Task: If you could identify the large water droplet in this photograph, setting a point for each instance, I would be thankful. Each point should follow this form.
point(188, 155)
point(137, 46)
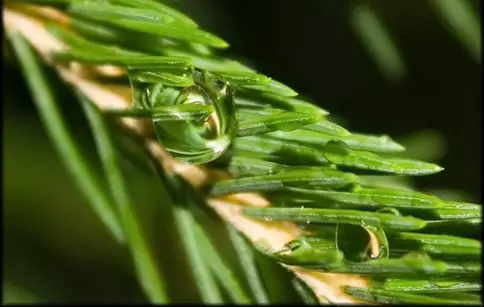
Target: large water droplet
point(201, 139)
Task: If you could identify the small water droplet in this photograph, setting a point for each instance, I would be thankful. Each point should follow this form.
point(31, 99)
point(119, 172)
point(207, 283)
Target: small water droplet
point(389, 210)
point(443, 283)
point(378, 244)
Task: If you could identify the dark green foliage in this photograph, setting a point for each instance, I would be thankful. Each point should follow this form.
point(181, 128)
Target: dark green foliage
point(314, 171)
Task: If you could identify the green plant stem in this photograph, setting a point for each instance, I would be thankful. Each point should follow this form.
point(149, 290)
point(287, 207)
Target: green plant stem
point(380, 45)
point(306, 295)
point(459, 17)
point(184, 221)
point(61, 138)
point(249, 267)
point(147, 270)
point(378, 296)
point(220, 269)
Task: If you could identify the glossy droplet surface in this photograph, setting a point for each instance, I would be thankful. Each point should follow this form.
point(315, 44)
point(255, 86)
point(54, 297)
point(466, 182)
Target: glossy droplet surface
point(203, 138)
point(378, 246)
point(362, 243)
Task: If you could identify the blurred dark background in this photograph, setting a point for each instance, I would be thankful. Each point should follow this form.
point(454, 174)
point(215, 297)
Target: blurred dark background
point(56, 249)
point(312, 46)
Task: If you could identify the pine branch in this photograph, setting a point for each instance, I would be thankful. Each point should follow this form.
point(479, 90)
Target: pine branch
point(274, 235)
point(274, 134)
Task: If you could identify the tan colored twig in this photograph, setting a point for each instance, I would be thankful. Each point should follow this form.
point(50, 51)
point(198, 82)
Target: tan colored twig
point(29, 21)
